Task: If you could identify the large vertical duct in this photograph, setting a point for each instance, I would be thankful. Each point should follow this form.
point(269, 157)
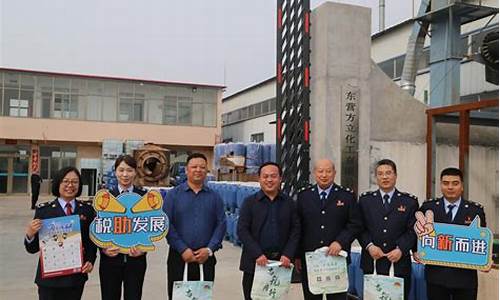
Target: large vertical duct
point(414, 50)
point(381, 15)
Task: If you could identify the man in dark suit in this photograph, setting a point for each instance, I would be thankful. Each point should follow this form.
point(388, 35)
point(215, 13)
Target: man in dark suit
point(388, 216)
point(268, 226)
point(66, 187)
point(329, 217)
point(35, 180)
point(445, 283)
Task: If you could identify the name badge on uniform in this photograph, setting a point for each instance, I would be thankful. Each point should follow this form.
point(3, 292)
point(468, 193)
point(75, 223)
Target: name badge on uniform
point(340, 203)
point(402, 208)
point(468, 220)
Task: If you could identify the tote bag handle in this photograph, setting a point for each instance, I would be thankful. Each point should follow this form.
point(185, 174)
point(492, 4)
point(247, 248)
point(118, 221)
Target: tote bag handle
point(185, 275)
point(391, 269)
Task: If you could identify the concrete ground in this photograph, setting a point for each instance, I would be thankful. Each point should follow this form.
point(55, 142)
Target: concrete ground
point(18, 267)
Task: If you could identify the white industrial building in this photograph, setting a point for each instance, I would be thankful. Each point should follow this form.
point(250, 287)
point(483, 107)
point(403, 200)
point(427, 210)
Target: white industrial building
point(249, 115)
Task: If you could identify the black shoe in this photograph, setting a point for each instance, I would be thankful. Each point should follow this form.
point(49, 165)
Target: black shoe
point(32, 207)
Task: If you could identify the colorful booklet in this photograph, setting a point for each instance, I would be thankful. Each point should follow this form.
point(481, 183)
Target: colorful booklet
point(61, 251)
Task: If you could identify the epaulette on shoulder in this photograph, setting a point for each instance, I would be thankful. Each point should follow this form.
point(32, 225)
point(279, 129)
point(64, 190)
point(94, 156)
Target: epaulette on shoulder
point(431, 200)
point(410, 195)
point(85, 202)
point(306, 188)
point(366, 193)
point(479, 205)
point(346, 189)
point(42, 205)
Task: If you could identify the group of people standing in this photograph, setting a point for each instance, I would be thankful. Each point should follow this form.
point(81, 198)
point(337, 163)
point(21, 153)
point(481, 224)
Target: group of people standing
point(271, 227)
point(326, 214)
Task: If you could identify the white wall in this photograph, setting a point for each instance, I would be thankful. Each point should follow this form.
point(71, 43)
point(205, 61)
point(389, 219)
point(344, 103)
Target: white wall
point(255, 95)
point(241, 132)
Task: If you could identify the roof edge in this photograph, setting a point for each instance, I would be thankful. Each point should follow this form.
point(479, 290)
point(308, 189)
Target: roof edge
point(131, 79)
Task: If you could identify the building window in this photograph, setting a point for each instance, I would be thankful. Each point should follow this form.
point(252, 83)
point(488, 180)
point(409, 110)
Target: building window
point(185, 110)
point(257, 137)
point(65, 106)
point(132, 109)
point(18, 108)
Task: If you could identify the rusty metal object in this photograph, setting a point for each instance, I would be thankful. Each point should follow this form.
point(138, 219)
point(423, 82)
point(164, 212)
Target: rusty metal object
point(153, 163)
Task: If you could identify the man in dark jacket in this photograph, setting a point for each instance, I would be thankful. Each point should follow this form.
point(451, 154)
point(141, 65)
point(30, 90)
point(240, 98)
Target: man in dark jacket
point(268, 226)
point(388, 216)
point(445, 283)
point(36, 180)
point(329, 217)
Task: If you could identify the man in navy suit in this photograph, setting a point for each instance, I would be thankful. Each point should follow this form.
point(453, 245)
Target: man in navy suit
point(329, 217)
point(388, 216)
point(445, 283)
point(268, 226)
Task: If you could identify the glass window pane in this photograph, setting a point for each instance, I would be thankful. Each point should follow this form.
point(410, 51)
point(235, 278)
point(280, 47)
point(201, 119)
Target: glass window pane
point(111, 89)
point(185, 112)
point(94, 108)
point(46, 100)
point(272, 105)
point(109, 109)
point(198, 114)
point(138, 110)
point(210, 116)
point(61, 84)
point(73, 107)
point(170, 110)
point(27, 82)
point(125, 109)
point(155, 114)
point(11, 80)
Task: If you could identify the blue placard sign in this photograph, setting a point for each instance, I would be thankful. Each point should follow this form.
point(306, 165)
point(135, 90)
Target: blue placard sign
point(451, 245)
point(129, 220)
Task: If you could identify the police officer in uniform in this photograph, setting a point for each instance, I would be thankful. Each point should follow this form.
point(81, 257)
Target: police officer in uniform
point(329, 216)
point(117, 270)
point(67, 185)
point(388, 216)
point(445, 283)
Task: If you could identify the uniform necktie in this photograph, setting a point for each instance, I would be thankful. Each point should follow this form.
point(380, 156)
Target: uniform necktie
point(69, 210)
point(386, 202)
point(323, 198)
point(449, 214)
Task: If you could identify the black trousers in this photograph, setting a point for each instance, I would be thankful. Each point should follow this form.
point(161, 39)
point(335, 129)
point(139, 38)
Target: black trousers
point(35, 191)
point(53, 293)
point(175, 270)
point(247, 283)
point(130, 273)
point(439, 292)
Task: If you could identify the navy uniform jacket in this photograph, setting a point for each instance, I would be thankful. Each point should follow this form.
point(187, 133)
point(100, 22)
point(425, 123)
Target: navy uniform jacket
point(388, 230)
point(453, 277)
point(53, 209)
point(253, 215)
point(340, 219)
point(120, 259)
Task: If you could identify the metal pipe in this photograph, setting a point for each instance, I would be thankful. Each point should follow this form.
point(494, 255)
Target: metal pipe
point(381, 15)
point(414, 50)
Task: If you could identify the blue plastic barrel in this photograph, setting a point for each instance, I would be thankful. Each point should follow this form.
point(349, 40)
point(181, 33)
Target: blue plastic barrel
point(236, 149)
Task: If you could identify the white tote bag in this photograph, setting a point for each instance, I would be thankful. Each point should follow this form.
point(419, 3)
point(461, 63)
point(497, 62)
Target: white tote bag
point(326, 274)
point(192, 290)
point(271, 281)
point(376, 287)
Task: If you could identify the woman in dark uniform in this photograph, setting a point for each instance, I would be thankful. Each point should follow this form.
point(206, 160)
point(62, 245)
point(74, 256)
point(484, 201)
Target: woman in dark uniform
point(66, 187)
point(118, 269)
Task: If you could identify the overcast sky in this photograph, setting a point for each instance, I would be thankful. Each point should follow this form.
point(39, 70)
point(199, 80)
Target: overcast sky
point(222, 42)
